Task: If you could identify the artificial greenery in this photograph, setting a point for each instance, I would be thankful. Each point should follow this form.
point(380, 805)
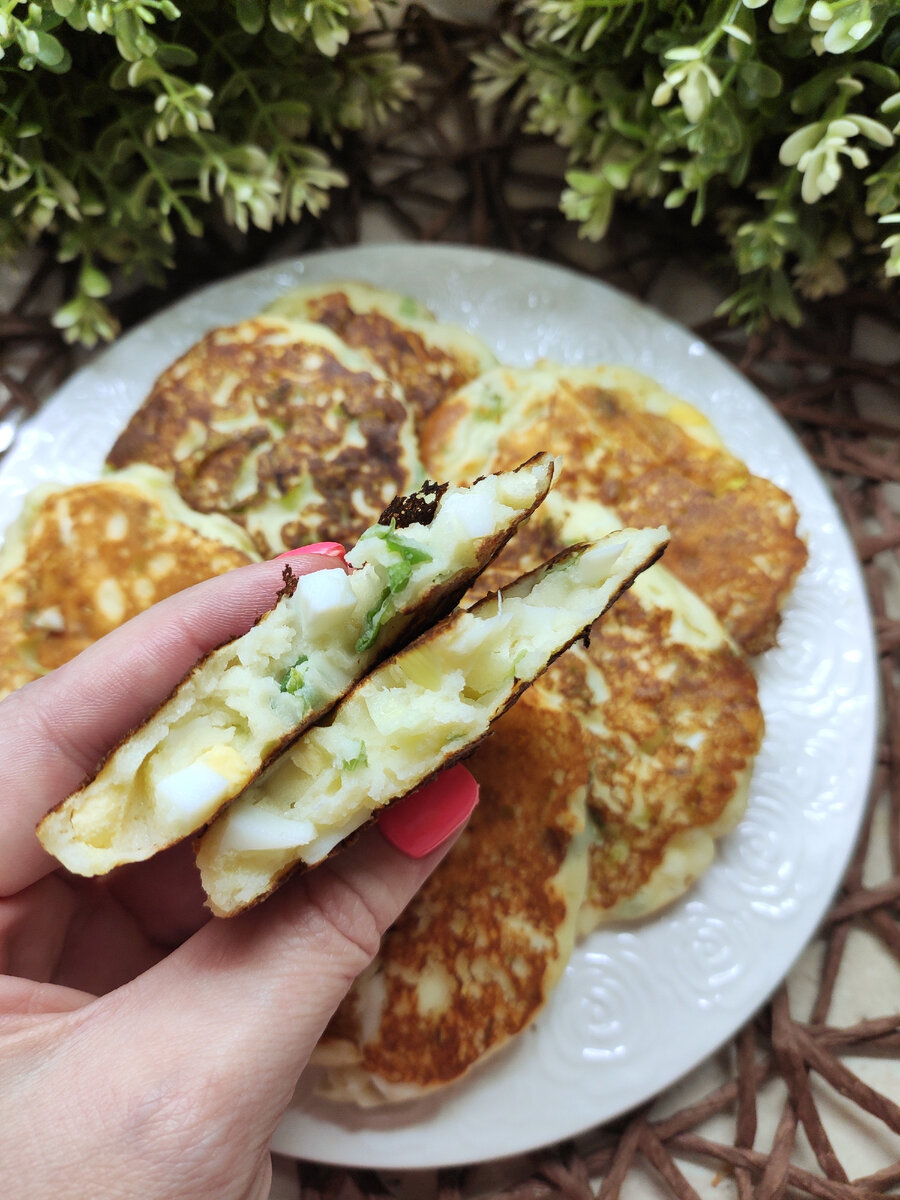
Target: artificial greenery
point(124, 123)
point(775, 119)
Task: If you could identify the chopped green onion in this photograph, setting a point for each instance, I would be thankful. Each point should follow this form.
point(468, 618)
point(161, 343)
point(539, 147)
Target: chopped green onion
point(294, 679)
point(361, 759)
point(398, 575)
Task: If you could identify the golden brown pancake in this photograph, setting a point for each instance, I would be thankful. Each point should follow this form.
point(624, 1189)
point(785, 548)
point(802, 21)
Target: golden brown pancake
point(282, 427)
point(81, 560)
point(478, 951)
point(670, 721)
point(650, 457)
point(429, 360)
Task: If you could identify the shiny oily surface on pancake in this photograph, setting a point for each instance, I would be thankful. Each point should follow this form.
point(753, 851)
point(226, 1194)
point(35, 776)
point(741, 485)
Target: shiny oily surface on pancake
point(476, 954)
point(81, 560)
point(630, 446)
point(281, 426)
point(670, 720)
point(429, 359)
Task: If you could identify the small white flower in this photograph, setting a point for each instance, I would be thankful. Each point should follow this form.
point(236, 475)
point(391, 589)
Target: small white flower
point(816, 150)
point(841, 24)
point(695, 82)
point(740, 34)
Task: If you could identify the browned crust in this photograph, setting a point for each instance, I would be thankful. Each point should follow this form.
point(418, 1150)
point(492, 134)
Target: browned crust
point(427, 374)
point(417, 509)
point(289, 587)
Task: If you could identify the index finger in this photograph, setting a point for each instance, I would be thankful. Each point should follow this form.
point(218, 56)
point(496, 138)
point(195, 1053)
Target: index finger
point(54, 731)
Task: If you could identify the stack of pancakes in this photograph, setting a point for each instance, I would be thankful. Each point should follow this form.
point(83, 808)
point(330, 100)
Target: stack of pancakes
point(605, 788)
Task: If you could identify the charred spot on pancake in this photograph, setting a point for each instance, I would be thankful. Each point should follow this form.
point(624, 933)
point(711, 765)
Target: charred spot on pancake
point(426, 373)
point(289, 584)
point(280, 426)
point(417, 509)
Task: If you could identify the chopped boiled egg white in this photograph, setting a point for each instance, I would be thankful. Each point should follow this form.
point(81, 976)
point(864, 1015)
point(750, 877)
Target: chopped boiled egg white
point(191, 795)
point(476, 512)
point(256, 828)
point(324, 599)
point(596, 564)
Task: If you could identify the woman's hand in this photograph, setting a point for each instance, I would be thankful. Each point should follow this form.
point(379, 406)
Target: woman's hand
point(146, 1050)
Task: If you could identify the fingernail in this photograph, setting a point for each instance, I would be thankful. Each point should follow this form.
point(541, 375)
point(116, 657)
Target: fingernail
point(329, 549)
point(423, 820)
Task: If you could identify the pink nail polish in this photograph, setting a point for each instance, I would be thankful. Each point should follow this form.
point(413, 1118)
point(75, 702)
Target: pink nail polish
point(423, 820)
point(329, 549)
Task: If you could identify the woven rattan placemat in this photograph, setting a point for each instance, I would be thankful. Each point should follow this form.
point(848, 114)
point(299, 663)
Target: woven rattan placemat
point(767, 1125)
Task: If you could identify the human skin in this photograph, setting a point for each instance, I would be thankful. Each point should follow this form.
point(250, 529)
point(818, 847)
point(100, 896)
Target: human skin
point(147, 1050)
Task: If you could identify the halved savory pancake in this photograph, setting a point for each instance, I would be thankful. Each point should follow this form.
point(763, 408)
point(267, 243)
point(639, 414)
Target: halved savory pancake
point(429, 359)
point(670, 721)
point(478, 951)
point(650, 457)
point(423, 709)
point(281, 426)
point(244, 701)
point(82, 559)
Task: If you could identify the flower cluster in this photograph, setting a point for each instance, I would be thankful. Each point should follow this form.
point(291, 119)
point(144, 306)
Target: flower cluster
point(815, 150)
point(125, 123)
point(778, 117)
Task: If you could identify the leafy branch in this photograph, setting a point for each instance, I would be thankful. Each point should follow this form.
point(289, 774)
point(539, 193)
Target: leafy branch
point(776, 120)
point(124, 123)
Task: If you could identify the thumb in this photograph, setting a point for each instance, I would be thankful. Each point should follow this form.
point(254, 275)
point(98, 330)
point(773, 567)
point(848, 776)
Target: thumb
point(223, 1027)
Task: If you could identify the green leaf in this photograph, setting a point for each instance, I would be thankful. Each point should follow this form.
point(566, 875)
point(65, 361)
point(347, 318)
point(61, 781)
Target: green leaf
point(880, 74)
point(788, 12)
point(408, 551)
point(398, 576)
point(47, 50)
point(251, 15)
point(760, 79)
point(171, 55)
point(813, 95)
point(93, 282)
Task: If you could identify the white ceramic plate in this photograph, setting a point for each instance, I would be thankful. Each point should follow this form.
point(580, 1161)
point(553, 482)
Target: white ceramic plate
point(640, 1006)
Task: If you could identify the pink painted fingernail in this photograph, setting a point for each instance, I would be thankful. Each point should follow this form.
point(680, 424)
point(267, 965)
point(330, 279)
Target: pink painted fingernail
point(420, 822)
point(329, 549)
